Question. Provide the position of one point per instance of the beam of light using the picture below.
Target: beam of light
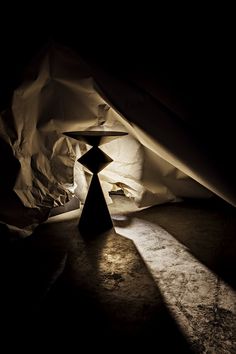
(203, 305)
(70, 215)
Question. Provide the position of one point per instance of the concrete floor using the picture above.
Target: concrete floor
(162, 281)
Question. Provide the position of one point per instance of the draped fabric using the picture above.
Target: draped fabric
(160, 160)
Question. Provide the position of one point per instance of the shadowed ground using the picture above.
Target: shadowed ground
(144, 286)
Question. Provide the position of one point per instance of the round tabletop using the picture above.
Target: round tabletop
(95, 137)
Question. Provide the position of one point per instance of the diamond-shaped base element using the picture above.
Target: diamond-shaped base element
(95, 218)
(95, 159)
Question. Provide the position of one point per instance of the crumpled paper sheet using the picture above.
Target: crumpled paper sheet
(60, 95)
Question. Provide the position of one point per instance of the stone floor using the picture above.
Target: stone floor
(162, 281)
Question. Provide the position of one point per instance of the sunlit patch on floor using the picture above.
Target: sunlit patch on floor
(203, 305)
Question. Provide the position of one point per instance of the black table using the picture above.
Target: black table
(95, 217)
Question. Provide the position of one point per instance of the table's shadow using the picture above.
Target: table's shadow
(66, 290)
